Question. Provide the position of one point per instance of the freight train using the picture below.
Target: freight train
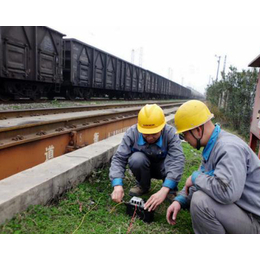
(37, 61)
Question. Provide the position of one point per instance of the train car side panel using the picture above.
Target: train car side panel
(15, 47)
(147, 83)
(99, 69)
(118, 74)
(135, 80)
(110, 72)
(141, 81)
(49, 55)
(78, 63)
(128, 78)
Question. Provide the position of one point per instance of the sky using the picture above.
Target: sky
(179, 40)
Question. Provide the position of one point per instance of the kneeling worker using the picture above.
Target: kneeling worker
(152, 150)
(224, 194)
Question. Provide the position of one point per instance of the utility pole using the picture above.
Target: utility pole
(219, 57)
(224, 66)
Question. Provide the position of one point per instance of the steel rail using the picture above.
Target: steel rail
(6, 114)
(12, 135)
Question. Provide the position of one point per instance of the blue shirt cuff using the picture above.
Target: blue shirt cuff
(169, 184)
(194, 176)
(117, 181)
(182, 200)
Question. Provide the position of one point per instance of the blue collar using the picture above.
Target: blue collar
(208, 148)
(141, 140)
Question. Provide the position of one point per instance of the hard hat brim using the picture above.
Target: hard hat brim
(152, 130)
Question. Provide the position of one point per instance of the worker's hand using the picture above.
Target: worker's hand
(172, 212)
(118, 193)
(156, 199)
(188, 184)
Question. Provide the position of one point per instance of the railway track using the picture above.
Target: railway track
(6, 114)
(33, 137)
(45, 100)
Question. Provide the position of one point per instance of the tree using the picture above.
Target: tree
(234, 95)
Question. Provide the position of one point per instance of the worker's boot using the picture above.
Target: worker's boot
(137, 191)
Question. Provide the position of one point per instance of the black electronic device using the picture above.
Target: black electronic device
(136, 206)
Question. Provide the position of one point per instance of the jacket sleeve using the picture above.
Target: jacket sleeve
(120, 159)
(174, 161)
(226, 183)
(184, 199)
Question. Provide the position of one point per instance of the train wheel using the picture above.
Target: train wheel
(70, 94)
(5, 97)
(87, 94)
(36, 96)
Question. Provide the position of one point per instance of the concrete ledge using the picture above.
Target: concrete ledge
(45, 182)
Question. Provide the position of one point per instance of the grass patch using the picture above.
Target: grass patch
(88, 209)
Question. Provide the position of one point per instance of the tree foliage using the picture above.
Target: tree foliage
(234, 95)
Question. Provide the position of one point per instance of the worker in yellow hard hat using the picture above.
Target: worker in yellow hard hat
(193, 115)
(152, 150)
(223, 194)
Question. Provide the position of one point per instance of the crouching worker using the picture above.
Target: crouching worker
(224, 194)
(152, 150)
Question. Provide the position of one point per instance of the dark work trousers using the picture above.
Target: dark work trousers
(144, 169)
(210, 217)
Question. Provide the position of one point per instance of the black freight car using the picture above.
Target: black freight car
(31, 61)
(90, 72)
(37, 62)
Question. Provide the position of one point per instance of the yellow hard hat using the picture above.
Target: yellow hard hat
(190, 115)
(151, 119)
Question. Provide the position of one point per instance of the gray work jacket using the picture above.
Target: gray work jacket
(229, 173)
(167, 148)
